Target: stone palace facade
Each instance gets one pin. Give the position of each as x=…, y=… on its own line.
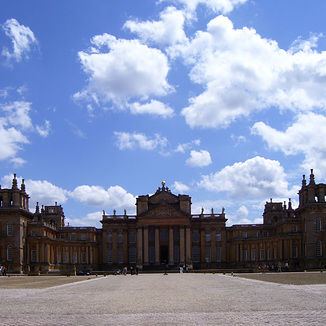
x=163, y=234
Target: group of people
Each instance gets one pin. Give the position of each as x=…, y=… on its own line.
x=133, y=271
x=276, y=268
x=3, y=270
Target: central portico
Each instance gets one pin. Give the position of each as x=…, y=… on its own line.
x=163, y=231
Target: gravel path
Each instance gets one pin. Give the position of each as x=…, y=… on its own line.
x=174, y=299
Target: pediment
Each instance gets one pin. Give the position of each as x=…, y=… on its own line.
x=164, y=211
x=163, y=197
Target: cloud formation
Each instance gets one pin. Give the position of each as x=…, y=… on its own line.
x=241, y=73
x=199, y=158
x=15, y=124
x=299, y=138
x=256, y=177
x=22, y=38
x=121, y=70
x=126, y=140
x=113, y=197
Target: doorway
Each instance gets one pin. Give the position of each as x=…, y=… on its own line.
x=164, y=254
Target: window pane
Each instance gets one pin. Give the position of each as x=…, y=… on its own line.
x=218, y=254
x=196, y=254
x=132, y=236
x=9, y=229
x=109, y=255
x=132, y=255
x=218, y=235
x=195, y=236
x=207, y=254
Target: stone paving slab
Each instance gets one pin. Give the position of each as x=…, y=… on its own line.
x=174, y=299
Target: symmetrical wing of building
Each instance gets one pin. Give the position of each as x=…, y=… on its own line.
x=164, y=232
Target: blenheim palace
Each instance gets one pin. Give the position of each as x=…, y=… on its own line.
x=163, y=234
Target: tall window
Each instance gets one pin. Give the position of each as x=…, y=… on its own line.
x=319, y=249
x=120, y=237
x=176, y=234
x=83, y=257
x=9, y=229
x=132, y=255
x=109, y=237
x=262, y=254
x=253, y=254
x=244, y=255
x=74, y=257
x=195, y=235
x=207, y=235
x=59, y=257
x=218, y=254
x=207, y=254
x=294, y=252
x=318, y=224
x=9, y=253
x=196, y=254
x=33, y=256
x=66, y=257
x=151, y=254
x=120, y=255
x=269, y=256
x=110, y=255
x=132, y=236
x=176, y=253
x=151, y=235
x=218, y=235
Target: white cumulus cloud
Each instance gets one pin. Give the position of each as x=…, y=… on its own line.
x=119, y=70
x=153, y=107
x=22, y=39
x=126, y=140
x=256, y=177
x=199, y=158
x=241, y=72
x=113, y=197
x=305, y=136
x=180, y=187
x=169, y=30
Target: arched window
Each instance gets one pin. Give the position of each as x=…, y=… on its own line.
x=9, y=253
x=9, y=229
x=218, y=235
x=318, y=224
x=319, y=249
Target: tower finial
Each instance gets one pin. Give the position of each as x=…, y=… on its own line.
x=14, y=182
x=312, y=177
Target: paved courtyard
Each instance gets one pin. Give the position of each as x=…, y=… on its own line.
x=157, y=299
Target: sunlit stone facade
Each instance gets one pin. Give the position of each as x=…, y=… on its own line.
x=163, y=234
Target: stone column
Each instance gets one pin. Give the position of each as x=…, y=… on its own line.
x=171, y=247
x=87, y=254
x=139, y=244
x=188, y=244
x=213, y=245
x=41, y=257
x=114, y=246
x=182, y=245
x=157, y=245
x=146, y=260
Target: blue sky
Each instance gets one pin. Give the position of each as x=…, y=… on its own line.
x=102, y=100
